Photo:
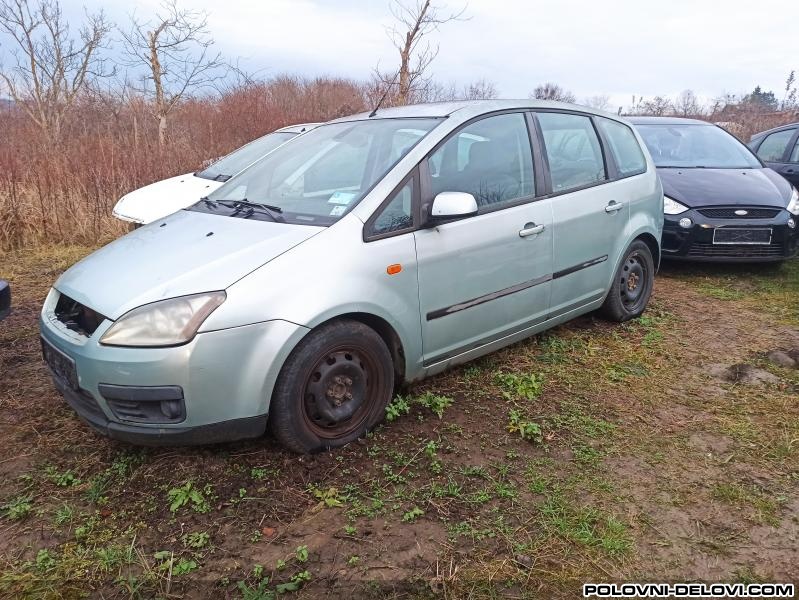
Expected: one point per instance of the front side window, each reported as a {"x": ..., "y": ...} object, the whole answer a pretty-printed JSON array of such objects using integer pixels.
[
  {"x": 397, "y": 215},
  {"x": 572, "y": 149},
  {"x": 490, "y": 159},
  {"x": 625, "y": 149},
  {"x": 773, "y": 146},
  {"x": 238, "y": 160},
  {"x": 690, "y": 145},
  {"x": 322, "y": 174}
]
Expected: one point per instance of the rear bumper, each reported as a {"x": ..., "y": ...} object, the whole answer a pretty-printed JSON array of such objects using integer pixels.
[{"x": 695, "y": 243}]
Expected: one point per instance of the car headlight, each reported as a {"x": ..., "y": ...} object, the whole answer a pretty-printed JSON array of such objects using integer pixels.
[
  {"x": 793, "y": 204},
  {"x": 163, "y": 323},
  {"x": 672, "y": 207}
]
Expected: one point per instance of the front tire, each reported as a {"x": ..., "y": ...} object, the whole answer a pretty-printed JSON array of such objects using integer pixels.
[
  {"x": 632, "y": 286},
  {"x": 333, "y": 388}
]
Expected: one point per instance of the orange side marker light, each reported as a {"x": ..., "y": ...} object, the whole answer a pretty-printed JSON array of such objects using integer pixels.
[{"x": 393, "y": 269}]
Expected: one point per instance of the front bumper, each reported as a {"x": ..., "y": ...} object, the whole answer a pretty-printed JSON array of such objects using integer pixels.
[
  {"x": 696, "y": 243},
  {"x": 215, "y": 388}
]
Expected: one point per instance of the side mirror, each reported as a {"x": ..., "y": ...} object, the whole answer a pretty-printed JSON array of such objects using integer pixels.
[
  {"x": 5, "y": 299},
  {"x": 452, "y": 205}
]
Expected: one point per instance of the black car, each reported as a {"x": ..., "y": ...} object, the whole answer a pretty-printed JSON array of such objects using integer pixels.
[
  {"x": 5, "y": 299},
  {"x": 721, "y": 202},
  {"x": 779, "y": 149}
]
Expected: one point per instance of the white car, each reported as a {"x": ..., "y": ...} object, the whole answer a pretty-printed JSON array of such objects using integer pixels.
[{"x": 162, "y": 198}]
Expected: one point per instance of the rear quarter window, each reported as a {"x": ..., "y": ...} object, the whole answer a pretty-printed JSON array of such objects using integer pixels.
[{"x": 624, "y": 147}]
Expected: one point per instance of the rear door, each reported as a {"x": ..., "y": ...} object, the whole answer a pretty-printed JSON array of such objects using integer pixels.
[
  {"x": 778, "y": 150},
  {"x": 590, "y": 216},
  {"x": 486, "y": 276}
]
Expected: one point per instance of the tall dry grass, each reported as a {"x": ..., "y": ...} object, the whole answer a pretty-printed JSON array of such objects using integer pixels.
[{"x": 63, "y": 190}]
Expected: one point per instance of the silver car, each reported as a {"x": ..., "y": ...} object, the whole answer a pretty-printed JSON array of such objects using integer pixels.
[{"x": 374, "y": 250}]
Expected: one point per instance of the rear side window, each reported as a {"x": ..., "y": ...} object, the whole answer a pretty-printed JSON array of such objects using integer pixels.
[
  {"x": 572, "y": 149},
  {"x": 624, "y": 147},
  {"x": 773, "y": 146},
  {"x": 490, "y": 159}
]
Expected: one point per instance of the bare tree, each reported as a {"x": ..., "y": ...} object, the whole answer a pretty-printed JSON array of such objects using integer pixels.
[
  {"x": 552, "y": 91},
  {"x": 480, "y": 90},
  {"x": 413, "y": 23},
  {"x": 50, "y": 68},
  {"x": 789, "y": 99},
  {"x": 599, "y": 102},
  {"x": 657, "y": 106},
  {"x": 686, "y": 104},
  {"x": 174, "y": 49}
]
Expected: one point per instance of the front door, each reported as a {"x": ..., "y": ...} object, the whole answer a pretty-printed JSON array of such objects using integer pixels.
[{"x": 486, "y": 276}]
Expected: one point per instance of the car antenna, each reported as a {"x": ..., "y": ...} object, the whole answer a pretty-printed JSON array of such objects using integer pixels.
[{"x": 383, "y": 97}]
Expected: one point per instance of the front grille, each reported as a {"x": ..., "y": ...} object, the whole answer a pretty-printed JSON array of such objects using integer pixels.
[
  {"x": 729, "y": 213},
  {"x": 703, "y": 250},
  {"x": 76, "y": 316}
]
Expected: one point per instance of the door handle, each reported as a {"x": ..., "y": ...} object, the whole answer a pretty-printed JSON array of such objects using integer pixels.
[
  {"x": 531, "y": 229},
  {"x": 614, "y": 206}
]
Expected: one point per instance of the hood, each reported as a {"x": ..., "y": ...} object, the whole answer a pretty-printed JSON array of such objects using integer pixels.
[
  {"x": 186, "y": 253},
  {"x": 725, "y": 187},
  {"x": 162, "y": 198}
]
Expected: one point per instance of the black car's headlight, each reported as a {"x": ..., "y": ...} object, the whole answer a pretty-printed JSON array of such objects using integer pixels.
[
  {"x": 672, "y": 207},
  {"x": 163, "y": 323},
  {"x": 793, "y": 203}
]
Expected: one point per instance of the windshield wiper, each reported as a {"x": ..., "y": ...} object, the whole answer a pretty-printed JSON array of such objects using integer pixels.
[
  {"x": 274, "y": 212},
  {"x": 222, "y": 177}
]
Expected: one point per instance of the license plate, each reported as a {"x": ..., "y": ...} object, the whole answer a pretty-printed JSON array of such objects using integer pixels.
[
  {"x": 742, "y": 237},
  {"x": 62, "y": 366}
]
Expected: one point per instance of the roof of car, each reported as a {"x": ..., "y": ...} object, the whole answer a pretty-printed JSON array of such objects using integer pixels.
[
  {"x": 476, "y": 107},
  {"x": 773, "y": 129},
  {"x": 666, "y": 121}
]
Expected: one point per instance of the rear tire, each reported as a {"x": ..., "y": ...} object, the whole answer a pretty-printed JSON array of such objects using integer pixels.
[
  {"x": 632, "y": 285},
  {"x": 333, "y": 388}
]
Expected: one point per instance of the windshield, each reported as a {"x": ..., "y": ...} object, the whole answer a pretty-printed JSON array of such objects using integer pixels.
[
  {"x": 238, "y": 160},
  {"x": 319, "y": 176},
  {"x": 689, "y": 146}
]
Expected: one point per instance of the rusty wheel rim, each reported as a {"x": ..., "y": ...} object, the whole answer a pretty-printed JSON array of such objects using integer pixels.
[
  {"x": 633, "y": 282},
  {"x": 339, "y": 391}
]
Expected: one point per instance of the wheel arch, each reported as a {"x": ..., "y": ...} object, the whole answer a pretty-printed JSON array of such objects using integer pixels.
[
  {"x": 386, "y": 331},
  {"x": 654, "y": 246}
]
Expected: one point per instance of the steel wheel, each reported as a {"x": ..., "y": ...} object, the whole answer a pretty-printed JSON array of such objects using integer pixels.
[
  {"x": 333, "y": 388},
  {"x": 632, "y": 286},
  {"x": 633, "y": 281},
  {"x": 338, "y": 391}
]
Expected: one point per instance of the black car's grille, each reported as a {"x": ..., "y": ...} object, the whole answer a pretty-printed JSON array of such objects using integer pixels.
[
  {"x": 703, "y": 250},
  {"x": 729, "y": 213},
  {"x": 76, "y": 316}
]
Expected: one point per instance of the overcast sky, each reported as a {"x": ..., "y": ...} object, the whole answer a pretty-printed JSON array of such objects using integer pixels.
[{"x": 616, "y": 48}]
